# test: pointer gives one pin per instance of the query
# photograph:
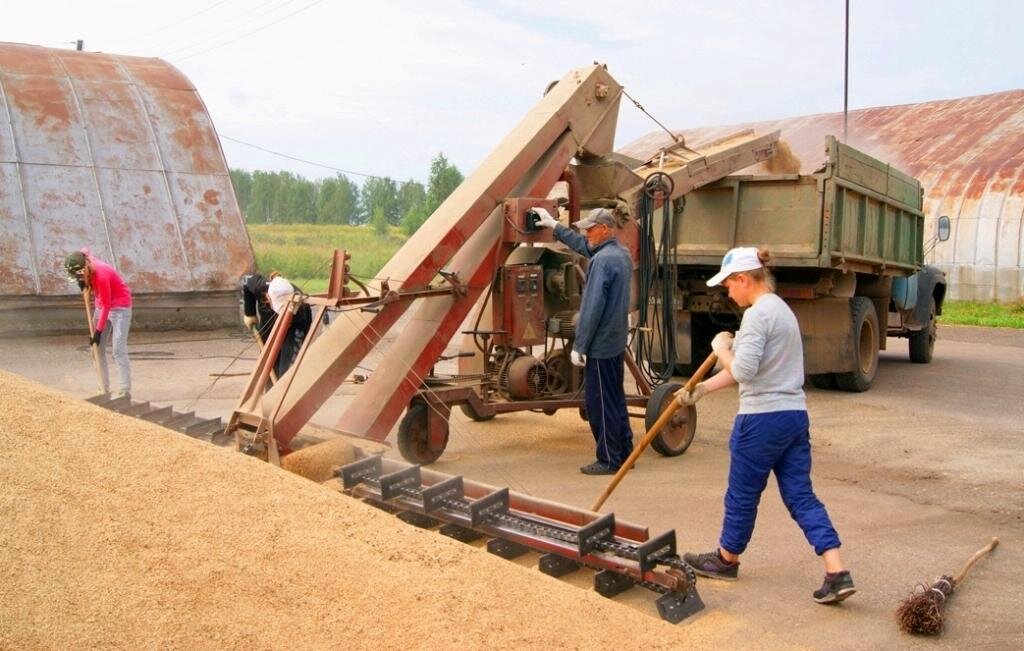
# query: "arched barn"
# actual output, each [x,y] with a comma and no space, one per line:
[969,155]
[117,154]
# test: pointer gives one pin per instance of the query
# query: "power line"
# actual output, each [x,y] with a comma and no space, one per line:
[254,15]
[258,29]
[178,22]
[301,160]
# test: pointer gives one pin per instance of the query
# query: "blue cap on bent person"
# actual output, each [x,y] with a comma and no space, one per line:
[742,258]
[595,217]
[75,262]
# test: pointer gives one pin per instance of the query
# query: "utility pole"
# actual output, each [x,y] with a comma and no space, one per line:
[846,72]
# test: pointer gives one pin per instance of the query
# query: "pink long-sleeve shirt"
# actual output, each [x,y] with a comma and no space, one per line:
[108,289]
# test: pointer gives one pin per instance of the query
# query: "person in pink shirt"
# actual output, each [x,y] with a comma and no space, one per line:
[112,317]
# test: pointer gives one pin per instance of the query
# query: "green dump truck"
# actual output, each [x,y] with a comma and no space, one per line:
[847,244]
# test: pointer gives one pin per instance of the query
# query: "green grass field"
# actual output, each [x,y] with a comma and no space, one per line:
[302,252]
[1000,315]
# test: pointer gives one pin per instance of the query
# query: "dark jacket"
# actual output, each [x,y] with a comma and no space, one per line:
[254,289]
[603,325]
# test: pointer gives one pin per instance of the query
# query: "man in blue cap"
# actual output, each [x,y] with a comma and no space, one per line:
[601,333]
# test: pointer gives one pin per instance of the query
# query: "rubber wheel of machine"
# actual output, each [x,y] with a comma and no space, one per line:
[865,347]
[825,381]
[922,342]
[472,415]
[678,434]
[414,436]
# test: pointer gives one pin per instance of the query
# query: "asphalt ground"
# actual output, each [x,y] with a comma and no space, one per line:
[916,473]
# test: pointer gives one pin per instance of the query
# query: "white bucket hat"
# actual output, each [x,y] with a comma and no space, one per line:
[742,258]
[280,292]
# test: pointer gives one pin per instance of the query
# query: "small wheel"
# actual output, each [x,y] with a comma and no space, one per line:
[472,415]
[825,381]
[865,347]
[678,434]
[414,435]
[922,342]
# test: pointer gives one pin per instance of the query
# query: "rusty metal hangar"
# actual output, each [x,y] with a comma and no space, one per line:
[117,154]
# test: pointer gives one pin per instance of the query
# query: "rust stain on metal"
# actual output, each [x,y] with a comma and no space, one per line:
[117,154]
[968,154]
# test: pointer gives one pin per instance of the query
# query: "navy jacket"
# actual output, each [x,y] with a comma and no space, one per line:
[603,325]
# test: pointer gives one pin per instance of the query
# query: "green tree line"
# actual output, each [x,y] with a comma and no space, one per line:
[287,198]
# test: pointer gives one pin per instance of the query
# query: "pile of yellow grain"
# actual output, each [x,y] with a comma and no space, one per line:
[121,534]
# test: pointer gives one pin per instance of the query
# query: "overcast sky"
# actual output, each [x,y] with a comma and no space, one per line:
[380,87]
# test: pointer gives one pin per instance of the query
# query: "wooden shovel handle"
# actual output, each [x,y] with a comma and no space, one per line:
[95,348]
[663,420]
[974,559]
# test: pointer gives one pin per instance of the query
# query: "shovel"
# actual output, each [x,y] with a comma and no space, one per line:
[95,347]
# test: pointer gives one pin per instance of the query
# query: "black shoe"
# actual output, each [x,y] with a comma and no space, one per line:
[712,566]
[837,587]
[598,468]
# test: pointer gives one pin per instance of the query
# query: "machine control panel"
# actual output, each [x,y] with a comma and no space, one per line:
[520,308]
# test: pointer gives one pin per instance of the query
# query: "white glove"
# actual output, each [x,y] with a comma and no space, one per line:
[578,359]
[722,341]
[250,322]
[546,220]
[687,398]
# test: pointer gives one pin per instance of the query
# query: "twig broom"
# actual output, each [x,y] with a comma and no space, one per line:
[921,612]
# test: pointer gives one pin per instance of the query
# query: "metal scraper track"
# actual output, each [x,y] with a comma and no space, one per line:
[623,555]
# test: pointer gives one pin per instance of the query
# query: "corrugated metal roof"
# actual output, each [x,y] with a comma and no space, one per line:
[968,154]
[118,154]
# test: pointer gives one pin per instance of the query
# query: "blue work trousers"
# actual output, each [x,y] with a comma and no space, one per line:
[605,400]
[776,442]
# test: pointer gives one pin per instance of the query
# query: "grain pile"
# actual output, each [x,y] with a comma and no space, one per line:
[121,534]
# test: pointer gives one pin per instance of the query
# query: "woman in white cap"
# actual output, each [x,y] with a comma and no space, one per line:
[771,432]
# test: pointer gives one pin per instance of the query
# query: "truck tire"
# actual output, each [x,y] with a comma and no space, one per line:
[865,347]
[922,342]
[825,381]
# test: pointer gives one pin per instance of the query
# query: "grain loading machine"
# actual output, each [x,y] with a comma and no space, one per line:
[481,249]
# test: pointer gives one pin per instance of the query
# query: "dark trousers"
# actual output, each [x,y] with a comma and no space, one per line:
[605,400]
[776,442]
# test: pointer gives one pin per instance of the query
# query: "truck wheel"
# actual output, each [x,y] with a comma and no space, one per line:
[677,435]
[414,436]
[922,342]
[865,347]
[825,381]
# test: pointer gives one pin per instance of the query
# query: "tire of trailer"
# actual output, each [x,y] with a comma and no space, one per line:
[922,342]
[865,347]
[414,435]
[677,436]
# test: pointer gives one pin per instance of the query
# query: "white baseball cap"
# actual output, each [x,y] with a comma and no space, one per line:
[742,258]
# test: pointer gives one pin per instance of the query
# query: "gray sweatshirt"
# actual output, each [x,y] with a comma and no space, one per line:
[769,363]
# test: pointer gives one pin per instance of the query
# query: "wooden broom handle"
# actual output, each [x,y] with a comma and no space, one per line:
[974,559]
[663,420]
